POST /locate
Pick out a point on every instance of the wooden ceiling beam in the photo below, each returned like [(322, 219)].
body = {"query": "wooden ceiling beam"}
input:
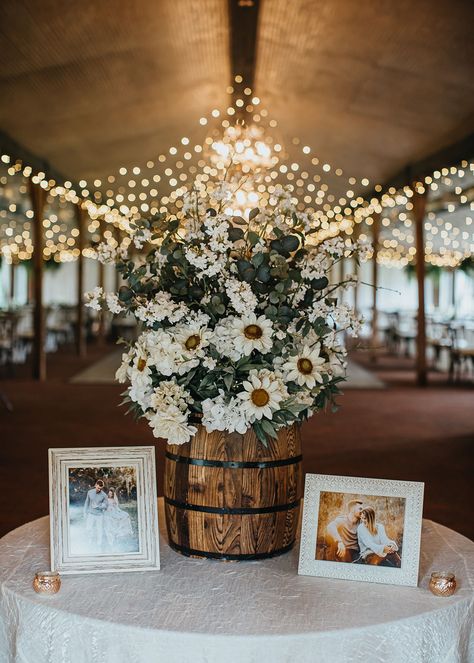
[(243, 20), (17, 152), (452, 155)]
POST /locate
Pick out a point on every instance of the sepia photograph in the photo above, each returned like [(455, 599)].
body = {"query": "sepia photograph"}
[(360, 529), (357, 528), (103, 515)]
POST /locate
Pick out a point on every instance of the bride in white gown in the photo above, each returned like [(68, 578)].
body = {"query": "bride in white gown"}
[(117, 523)]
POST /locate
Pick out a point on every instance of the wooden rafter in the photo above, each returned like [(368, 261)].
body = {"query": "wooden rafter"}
[(243, 19), (452, 155)]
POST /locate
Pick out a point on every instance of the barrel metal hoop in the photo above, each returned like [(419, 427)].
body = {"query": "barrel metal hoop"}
[(234, 464), (242, 511), (189, 552)]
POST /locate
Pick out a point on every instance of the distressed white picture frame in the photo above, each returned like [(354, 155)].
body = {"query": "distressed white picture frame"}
[(411, 491), (143, 460)]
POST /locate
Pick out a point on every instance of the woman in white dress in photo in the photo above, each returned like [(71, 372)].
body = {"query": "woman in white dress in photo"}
[(375, 546), (117, 523)]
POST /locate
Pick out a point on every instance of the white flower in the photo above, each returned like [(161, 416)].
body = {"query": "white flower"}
[(334, 247), (241, 297), (172, 425), (315, 266), (299, 294), (141, 383), (170, 393), (262, 395), (122, 373), (162, 350), (113, 303), (336, 366), (221, 415), (346, 318), (205, 260), (192, 338), (305, 367), (364, 249), (93, 298), (223, 339), (141, 237), (222, 191), (209, 363), (319, 310), (252, 333), (217, 230), (159, 308)]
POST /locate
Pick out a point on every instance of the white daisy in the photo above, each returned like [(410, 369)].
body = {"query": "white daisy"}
[(192, 339), (305, 367), (252, 333), (262, 395)]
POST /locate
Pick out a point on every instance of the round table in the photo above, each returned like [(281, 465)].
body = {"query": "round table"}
[(202, 611)]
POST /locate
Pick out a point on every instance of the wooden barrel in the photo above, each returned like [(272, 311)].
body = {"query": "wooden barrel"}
[(229, 497)]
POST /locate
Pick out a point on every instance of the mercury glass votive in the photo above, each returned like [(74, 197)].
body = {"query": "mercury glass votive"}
[(47, 582), (443, 583)]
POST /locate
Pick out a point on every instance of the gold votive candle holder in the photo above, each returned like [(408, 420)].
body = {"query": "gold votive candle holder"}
[(443, 583), (47, 582)]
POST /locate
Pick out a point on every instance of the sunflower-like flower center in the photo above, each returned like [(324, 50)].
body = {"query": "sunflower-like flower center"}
[(253, 332), (192, 342), (141, 364), (305, 366), (260, 397)]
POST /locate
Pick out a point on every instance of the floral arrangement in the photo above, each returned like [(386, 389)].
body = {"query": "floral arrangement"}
[(239, 323)]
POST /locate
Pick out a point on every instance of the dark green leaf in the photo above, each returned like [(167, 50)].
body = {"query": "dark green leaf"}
[(290, 243), (235, 234)]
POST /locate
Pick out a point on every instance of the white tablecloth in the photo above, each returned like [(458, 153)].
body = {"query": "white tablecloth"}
[(203, 611)]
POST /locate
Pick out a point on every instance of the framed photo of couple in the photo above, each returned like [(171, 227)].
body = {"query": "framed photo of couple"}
[(361, 529), (103, 510)]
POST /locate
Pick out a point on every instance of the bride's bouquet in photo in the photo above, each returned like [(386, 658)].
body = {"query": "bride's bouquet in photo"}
[(239, 320)]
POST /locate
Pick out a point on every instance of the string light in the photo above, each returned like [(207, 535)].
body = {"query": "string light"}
[(204, 160)]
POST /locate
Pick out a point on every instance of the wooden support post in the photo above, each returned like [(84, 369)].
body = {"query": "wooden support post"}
[(80, 328), (101, 279), (453, 293), (356, 287), (118, 239), (419, 207), (341, 277), (38, 199), (375, 283), (12, 282)]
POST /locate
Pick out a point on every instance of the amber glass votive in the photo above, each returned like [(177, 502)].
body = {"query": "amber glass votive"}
[(47, 582), (443, 583)]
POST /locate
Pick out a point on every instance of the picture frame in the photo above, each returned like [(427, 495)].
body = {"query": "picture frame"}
[(103, 510), (362, 529)]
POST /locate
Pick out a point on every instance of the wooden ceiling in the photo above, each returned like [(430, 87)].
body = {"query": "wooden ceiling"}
[(97, 84), (371, 85)]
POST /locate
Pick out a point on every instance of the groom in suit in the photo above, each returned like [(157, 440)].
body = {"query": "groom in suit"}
[(94, 508)]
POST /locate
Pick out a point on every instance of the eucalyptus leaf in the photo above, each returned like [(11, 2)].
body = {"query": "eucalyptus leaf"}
[(235, 234)]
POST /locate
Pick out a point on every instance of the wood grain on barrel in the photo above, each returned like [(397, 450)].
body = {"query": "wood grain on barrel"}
[(204, 487)]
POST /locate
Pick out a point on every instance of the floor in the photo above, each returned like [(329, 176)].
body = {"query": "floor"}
[(397, 432)]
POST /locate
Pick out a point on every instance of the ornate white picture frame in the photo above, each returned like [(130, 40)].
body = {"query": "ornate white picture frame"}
[(103, 510), (361, 529)]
